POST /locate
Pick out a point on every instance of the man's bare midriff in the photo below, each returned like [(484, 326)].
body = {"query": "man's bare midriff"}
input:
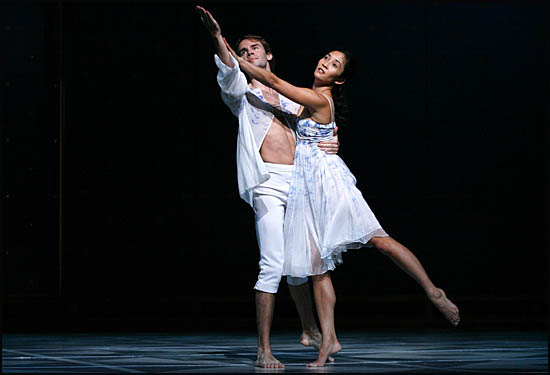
[(278, 146)]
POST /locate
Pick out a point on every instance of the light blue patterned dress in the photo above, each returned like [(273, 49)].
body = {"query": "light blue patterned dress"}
[(326, 214)]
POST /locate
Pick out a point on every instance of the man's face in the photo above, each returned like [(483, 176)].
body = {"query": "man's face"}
[(254, 52)]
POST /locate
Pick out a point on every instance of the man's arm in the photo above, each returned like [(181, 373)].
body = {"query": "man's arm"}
[(215, 32), (231, 80)]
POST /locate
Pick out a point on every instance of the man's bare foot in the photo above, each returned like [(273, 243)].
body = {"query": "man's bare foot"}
[(313, 339), (328, 348), (267, 360), (447, 308)]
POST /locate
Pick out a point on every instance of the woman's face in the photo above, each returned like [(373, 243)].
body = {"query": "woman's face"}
[(330, 67)]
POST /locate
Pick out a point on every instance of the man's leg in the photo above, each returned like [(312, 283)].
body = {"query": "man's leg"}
[(269, 206), (269, 213), (408, 262), (265, 303)]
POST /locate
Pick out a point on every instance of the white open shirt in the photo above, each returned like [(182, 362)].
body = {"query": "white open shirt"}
[(255, 117)]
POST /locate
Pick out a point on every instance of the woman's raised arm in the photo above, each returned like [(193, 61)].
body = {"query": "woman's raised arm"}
[(301, 95)]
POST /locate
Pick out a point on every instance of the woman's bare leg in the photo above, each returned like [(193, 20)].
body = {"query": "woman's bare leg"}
[(325, 300), (311, 336), (408, 262)]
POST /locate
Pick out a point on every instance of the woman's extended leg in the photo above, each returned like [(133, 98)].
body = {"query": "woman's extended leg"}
[(408, 262), (325, 299)]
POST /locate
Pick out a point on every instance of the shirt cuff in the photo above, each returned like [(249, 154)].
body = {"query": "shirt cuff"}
[(224, 69)]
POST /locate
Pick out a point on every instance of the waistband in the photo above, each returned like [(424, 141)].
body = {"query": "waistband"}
[(271, 167)]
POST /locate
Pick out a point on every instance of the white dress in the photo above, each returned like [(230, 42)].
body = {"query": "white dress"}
[(326, 214)]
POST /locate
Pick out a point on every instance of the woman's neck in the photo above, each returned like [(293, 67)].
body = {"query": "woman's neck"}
[(327, 90)]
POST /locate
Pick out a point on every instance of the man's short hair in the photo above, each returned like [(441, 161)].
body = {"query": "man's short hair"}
[(264, 43)]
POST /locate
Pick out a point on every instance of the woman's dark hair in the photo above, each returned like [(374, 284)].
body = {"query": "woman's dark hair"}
[(264, 43), (341, 108)]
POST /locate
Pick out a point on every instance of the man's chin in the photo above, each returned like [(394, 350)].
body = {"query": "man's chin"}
[(258, 63)]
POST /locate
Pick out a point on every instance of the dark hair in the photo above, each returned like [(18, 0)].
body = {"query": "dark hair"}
[(264, 43), (341, 108)]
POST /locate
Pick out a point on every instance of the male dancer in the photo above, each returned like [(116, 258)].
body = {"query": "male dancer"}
[(265, 156)]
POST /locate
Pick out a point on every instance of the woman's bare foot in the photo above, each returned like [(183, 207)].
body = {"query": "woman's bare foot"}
[(267, 360), (447, 308), (313, 339), (328, 348)]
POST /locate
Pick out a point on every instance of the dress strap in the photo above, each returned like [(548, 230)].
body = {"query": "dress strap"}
[(331, 107)]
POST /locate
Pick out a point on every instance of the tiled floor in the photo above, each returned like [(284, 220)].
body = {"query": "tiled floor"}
[(446, 352)]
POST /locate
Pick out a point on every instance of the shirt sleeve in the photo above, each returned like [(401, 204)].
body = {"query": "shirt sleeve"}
[(232, 83)]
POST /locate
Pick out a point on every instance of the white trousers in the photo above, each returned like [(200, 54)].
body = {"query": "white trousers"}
[(269, 207)]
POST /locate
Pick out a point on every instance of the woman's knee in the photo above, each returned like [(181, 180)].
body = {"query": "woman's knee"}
[(320, 278), (383, 245)]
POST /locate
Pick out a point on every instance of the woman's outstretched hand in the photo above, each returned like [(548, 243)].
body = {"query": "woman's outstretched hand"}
[(237, 57), (209, 21)]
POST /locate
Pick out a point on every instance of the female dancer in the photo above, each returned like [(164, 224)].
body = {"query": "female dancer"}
[(326, 214)]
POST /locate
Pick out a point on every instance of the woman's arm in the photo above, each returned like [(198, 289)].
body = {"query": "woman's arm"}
[(301, 95)]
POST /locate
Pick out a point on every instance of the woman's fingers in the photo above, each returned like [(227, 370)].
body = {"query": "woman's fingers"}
[(230, 49)]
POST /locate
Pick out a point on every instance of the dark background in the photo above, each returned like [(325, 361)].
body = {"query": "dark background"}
[(120, 207)]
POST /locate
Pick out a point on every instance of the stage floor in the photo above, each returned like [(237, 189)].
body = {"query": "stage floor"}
[(447, 352)]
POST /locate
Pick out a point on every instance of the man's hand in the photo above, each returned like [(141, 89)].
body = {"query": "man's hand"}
[(209, 22), (215, 31), (330, 147)]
